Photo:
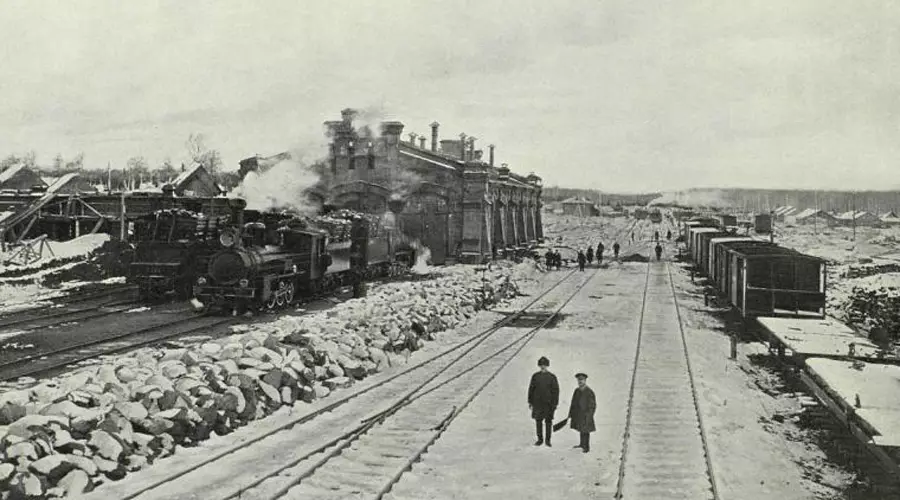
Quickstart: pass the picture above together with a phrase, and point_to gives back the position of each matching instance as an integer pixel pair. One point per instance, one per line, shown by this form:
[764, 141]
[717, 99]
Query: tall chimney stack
[471, 148]
[462, 146]
[422, 141]
[434, 136]
[491, 154]
[412, 138]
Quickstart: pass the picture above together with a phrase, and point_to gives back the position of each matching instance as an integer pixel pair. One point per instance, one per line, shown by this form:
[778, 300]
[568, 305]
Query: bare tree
[9, 161]
[58, 163]
[30, 159]
[76, 163]
[166, 172]
[136, 167]
[200, 153]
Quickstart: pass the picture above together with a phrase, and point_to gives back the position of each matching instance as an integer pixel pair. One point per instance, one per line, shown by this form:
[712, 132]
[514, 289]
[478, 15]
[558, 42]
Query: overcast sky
[615, 95]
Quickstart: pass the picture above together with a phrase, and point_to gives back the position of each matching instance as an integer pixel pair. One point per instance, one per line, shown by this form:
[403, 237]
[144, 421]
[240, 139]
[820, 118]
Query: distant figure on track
[656, 236]
[549, 258]
[581, 260]
[590, 255]
[658, 251]
[600, 253]
[632, 236]
[581, 412]
[669, 234]
[543, 397]
[616, 250]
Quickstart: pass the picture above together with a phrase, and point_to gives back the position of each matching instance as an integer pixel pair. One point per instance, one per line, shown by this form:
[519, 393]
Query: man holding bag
[543, 397]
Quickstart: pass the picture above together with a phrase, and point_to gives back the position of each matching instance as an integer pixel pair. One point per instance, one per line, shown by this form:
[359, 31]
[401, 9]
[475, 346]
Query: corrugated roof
[184, 176]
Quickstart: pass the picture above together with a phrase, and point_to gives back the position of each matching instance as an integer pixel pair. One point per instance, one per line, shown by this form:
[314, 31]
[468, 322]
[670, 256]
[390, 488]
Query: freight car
[759, 278]
[655, 217]
[762, 223]
[170, 246]
[272, 259]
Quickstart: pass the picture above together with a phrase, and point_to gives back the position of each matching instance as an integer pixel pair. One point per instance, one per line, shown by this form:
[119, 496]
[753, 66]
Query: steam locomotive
[267, 260]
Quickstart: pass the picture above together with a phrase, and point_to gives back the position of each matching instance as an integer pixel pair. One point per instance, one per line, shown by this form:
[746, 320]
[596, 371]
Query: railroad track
[47, 362]
[279, 454]
[42, 313]
[664, 449]
[52, 319]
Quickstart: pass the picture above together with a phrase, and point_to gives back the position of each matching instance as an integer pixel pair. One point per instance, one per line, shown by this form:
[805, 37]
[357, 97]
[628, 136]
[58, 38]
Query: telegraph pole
[816, 214]
[853, 210]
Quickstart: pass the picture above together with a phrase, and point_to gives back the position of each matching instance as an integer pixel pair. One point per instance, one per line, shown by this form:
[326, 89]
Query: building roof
[850, 215]
[577, 200]
[888, 215]
[11, 172]
[785, 210]
[186, 175]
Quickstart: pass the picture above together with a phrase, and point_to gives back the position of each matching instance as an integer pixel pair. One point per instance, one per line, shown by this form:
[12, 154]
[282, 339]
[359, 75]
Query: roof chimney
[471, 154]
[422, 141]
[462, 146]
[412, 138]
[434, 136]
[348, 114]
[491, 154]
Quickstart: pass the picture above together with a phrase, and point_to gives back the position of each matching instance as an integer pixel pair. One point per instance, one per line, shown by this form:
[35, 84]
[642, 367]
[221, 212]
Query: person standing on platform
[669, 234]
[549, 258]
[600, 253]
[616, 250]
[581, 260]
[581, 412]
[658, 251]
[590, 255]
[543, 398]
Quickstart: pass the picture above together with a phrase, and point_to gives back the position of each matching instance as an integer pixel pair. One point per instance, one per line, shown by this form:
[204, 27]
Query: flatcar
[272, 260]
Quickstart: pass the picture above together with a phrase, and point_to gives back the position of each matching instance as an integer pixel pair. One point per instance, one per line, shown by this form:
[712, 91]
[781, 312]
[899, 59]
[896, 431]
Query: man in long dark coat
[590, 254]
[581, 260]
[616, 250]
[543, 397]
[600, 253]
[581, 412]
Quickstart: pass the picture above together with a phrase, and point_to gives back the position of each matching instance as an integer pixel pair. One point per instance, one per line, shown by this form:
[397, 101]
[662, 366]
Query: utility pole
[772, 229]
[853, 212]
[816, 214]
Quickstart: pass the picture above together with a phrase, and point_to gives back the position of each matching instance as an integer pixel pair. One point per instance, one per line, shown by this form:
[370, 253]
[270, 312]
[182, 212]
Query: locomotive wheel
[279, 296]
[273, 301]
[289, 293]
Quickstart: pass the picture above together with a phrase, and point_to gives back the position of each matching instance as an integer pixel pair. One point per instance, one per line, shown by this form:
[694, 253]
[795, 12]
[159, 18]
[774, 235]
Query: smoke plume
[284, 186]
[712, 198]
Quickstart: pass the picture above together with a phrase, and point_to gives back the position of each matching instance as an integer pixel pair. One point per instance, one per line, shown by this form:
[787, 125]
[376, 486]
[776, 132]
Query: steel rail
[332, 406]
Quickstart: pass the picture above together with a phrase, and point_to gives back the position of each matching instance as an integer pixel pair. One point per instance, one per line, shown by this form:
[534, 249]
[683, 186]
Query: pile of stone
[66, 435]
[871, 269]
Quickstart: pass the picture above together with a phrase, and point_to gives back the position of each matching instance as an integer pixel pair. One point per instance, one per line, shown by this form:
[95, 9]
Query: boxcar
[722, 274]
[711, 252]
[702, 247]
[727, 220]
[762, 223]
[775, 281]
[694, 243]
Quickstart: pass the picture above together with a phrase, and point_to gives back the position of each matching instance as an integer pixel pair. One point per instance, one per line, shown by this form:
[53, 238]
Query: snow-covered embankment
[68, 434]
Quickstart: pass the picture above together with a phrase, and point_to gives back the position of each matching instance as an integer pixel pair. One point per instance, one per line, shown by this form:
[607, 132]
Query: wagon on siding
[774, 281]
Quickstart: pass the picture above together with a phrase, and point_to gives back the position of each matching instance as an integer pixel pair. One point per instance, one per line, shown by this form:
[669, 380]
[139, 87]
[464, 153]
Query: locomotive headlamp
[226, 239]
[201, 281]
[244, 283]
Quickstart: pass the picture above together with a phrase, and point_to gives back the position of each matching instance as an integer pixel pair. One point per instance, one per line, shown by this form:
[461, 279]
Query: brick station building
[443, 192]
[462, 207]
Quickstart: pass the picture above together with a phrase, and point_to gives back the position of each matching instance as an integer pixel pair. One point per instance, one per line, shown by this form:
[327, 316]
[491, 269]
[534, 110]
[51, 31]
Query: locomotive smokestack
[434, 136]
[412, 138]
[491, 154]
[462, 146]
[422, 141]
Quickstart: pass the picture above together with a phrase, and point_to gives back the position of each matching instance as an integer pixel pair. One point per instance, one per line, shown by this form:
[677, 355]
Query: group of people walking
[543, 398]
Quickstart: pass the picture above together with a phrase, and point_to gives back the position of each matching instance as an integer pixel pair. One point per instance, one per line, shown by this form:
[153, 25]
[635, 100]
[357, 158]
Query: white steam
[694, 198]
[284, 186]
[423, 255]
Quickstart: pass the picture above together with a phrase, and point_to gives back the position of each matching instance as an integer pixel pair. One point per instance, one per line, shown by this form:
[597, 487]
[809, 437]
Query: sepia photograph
[462, 250]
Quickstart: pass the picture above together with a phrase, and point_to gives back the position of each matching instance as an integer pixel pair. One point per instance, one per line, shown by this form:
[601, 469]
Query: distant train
[758, 277]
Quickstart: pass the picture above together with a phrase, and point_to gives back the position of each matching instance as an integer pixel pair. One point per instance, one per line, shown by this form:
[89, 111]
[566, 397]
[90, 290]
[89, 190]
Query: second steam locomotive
[266, 260]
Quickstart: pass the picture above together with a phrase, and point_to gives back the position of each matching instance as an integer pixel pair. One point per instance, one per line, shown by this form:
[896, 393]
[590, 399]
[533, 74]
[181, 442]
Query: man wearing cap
[543, 397]
[581, 412]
